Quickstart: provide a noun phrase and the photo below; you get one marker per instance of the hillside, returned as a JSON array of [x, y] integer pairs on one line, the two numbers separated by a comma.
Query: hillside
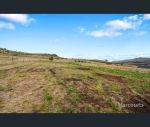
[[139, 62], [5, 51], [38, 85]]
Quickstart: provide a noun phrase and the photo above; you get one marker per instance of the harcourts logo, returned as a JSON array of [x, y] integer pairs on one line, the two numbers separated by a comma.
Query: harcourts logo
[[139, 105]]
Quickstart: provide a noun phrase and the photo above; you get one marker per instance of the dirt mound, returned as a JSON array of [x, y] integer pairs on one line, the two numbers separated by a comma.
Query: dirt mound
[[126, 91], [135, 101], [36, 70], [84, 69], [71, 79], [111, 77], [52, 71], [142, 104]]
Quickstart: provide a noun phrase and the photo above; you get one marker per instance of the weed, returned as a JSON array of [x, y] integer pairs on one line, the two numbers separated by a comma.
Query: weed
[[1, 102], [70, 110], [47, 101], [3, 74], [21, 75], [146, 84], [129, 74], [114, 87], [73, 95], [74, 99], [99, 88], [137, 86], [87, 76], [110, 103], [2, 88], [58, 109], [89, 108], [47, 97], [74, 63], [35, 108], [72, 89], [60, 82]]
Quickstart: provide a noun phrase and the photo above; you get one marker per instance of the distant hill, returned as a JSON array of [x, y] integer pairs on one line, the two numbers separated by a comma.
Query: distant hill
[[17, 53], [141, 62]]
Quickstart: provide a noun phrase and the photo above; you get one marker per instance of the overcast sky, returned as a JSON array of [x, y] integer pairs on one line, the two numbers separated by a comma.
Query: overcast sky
[[96, 36]]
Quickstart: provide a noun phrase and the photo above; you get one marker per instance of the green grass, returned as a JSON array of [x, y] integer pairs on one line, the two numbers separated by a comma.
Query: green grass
[[129, 74], [47, 97], [71, 63], [99, 88], [3, 74], [89, 108], [74, 99], [72, 79], [146, 84], [87, 76], [60, 82], [140, 87], [110, 103], [58, 109], [1, 102], [136, 87], [73, 95], [69, 110], [72, 89], [47, 101], [114, 88], [2, 88]]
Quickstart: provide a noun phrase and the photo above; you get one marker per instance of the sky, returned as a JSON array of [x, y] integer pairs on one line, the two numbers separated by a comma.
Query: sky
[[89, 36]]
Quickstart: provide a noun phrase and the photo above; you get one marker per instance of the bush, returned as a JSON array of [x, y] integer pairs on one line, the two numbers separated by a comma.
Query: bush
[[51, 58]]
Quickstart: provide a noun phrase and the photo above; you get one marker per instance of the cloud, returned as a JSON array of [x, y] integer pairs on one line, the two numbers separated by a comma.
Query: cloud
[[7, 25], [104, 33], [59, 39], [19, 18], [119, 24], [134, 17], [131, 22], [143, 32], [118, 27], [140, 33], [146, 17], [8, 20], [81, 29]]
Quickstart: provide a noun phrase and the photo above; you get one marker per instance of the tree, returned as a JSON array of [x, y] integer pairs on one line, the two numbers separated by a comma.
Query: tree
[[106, 60]]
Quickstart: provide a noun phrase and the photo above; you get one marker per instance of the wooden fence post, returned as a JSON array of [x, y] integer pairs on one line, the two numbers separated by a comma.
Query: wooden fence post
[[12, 59]]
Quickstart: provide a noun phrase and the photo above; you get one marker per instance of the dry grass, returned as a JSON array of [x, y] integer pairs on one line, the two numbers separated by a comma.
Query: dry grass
[[64, 86]]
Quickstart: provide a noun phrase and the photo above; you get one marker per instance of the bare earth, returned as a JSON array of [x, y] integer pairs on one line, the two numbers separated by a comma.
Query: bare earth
[[67, 86]]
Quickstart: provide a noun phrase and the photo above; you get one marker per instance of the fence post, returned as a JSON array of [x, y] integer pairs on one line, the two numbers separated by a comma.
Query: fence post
[[12, 59]]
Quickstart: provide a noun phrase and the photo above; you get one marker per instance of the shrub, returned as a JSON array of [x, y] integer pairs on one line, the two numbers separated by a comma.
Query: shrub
[[51, 58]]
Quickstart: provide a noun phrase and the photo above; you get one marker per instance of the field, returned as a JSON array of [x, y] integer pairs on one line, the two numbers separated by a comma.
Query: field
[[39, 85]]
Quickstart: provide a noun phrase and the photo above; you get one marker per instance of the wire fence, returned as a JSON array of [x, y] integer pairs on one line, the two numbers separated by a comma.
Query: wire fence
[[12, 59]]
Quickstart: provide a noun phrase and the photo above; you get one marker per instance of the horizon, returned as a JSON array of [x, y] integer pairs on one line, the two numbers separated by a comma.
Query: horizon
[[85, 36], [79, 58]]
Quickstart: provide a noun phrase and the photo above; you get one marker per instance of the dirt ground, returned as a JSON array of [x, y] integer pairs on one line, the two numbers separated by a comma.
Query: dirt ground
[[62, 86]]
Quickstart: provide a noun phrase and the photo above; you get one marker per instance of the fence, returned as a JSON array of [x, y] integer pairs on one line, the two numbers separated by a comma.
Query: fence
[[13, 59]]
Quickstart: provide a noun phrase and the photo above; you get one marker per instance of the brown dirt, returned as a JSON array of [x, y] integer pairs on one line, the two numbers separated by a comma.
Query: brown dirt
[[25, 92], [127, 92], [87, 94], [144, 100], [52, 71]]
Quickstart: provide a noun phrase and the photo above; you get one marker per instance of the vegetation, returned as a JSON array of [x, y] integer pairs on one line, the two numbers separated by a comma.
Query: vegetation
[[114, 106], [69, 86], [51, 58]]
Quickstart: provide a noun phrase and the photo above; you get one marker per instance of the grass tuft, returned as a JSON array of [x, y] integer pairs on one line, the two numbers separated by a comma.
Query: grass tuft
[[114, 106]]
